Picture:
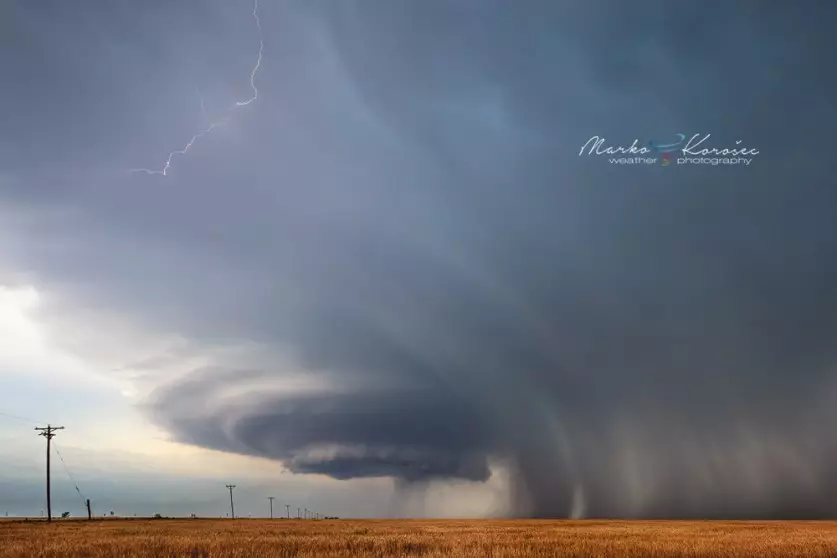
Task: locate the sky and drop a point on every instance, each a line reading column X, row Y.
column 355, row 255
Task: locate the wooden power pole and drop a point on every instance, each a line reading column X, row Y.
column 48, row 433
column 89, row 513
column 232, row 506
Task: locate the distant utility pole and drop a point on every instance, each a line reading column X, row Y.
column 306, row 513
column 288, row 506
column 48, row 433
column 271, row 506
column 232, row 506
column 298, row 516
column 89, row 513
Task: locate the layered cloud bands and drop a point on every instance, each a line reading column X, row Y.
column 364, row 432
column 405, row 220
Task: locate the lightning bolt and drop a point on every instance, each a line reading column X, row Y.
column 164, row 171
column 185, row 149
column 258, row 60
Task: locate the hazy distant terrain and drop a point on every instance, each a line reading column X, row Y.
column 429, row 538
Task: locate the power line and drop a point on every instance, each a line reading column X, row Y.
column 23, row 419
column 69, row 474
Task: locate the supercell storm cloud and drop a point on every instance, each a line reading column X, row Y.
column 404, row 217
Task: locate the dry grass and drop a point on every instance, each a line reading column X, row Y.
column 456, row 538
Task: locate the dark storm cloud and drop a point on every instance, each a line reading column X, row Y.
column 370, row 430
column 405, row 213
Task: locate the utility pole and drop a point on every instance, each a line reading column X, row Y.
column 48, row 433
column 288, row 506
column 298, row 516
column 89, row 513
column 232, row 506
column 306, row 513
column 271, row 506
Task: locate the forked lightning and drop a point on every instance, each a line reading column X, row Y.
column 185, row 149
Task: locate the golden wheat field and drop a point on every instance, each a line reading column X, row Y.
column 429, row 538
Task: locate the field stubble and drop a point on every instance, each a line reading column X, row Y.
column 427, row 538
